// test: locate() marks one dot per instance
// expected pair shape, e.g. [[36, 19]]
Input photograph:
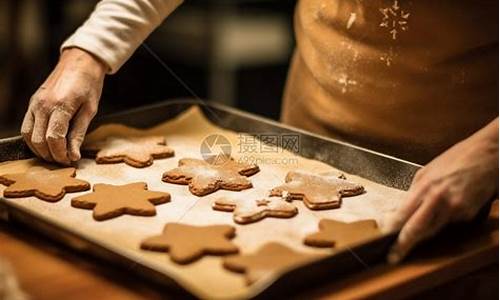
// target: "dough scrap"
[[316, 191], [188, 243], [110, 201], [204, 178], [45, 184]]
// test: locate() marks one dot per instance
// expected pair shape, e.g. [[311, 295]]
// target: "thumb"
[[79, 127]]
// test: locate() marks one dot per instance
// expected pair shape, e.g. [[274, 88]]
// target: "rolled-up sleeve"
[[116, 28]]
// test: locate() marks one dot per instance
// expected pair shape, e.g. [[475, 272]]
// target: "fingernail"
[[75, 156]]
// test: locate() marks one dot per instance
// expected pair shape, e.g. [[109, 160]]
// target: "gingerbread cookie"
[[48, 185], [187, 243], [137, 152], [109, 201], [317, 192], [339, 234], [204, 178], [270, 258], [253, 210]]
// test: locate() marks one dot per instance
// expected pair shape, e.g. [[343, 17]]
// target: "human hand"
[[451, 188], [60, 111]]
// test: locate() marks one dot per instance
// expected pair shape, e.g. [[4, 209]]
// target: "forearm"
[[117, 27], [484, 145], [488, 136], [488, 139]]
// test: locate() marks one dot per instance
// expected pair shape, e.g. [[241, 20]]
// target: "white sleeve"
[[116, 28]]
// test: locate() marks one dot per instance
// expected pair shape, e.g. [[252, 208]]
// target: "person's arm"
[[61, 109], [117, 27], [451, 188]]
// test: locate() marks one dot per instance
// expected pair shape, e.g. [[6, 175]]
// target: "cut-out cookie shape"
[[270, 258], [187, 243], [254, 210], [204, 178], [339, 234], [48, 185], [110, 201], [317, 192], [137, 152]]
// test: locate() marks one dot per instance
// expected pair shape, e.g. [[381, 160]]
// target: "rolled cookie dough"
[[316, 191], [48, 185], [110, 201], [252, 210], [187, 243], [204, 178], [270, 258], [137, 152], [339, 234]]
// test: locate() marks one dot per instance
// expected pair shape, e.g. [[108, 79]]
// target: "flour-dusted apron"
[[407, 78]]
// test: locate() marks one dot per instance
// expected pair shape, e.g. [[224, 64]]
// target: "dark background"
[[234, 52]]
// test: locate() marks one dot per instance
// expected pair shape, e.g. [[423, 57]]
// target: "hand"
[[61, 109], [453, 187]]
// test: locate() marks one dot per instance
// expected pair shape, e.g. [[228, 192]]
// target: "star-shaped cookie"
[[205, 178], [187, 243], [269, 259], [48, 185], [339, 234], [253, 210], [137, 152], [109, 201], [316, 191]]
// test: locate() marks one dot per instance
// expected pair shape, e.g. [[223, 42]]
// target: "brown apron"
[[407, 78]]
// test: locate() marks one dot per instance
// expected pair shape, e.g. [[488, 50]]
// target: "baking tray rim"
[[208, 104]]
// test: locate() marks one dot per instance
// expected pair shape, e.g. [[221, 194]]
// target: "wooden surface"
[[49, 271]]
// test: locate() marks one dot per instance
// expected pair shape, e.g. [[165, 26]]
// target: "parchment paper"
[[206, 277]]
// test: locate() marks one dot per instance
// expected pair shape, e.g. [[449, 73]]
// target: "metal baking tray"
[[371, 165]]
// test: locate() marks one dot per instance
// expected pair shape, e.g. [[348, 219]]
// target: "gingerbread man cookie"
[[254, 210], [204, 178], [270, 258], [109, 201], [137, 152], [339, 234], [317, 192], [45, 184], [187, 243]]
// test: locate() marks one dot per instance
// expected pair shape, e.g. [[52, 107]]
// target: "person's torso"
[[409, 78]]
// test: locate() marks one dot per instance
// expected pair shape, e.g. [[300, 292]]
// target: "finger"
[[38, 136], [418, 175], [427, 220], [77, 133], [27, 129], [407, 208], [56, 135]]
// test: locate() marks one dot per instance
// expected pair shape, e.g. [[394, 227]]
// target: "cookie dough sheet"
[[205, 277]]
